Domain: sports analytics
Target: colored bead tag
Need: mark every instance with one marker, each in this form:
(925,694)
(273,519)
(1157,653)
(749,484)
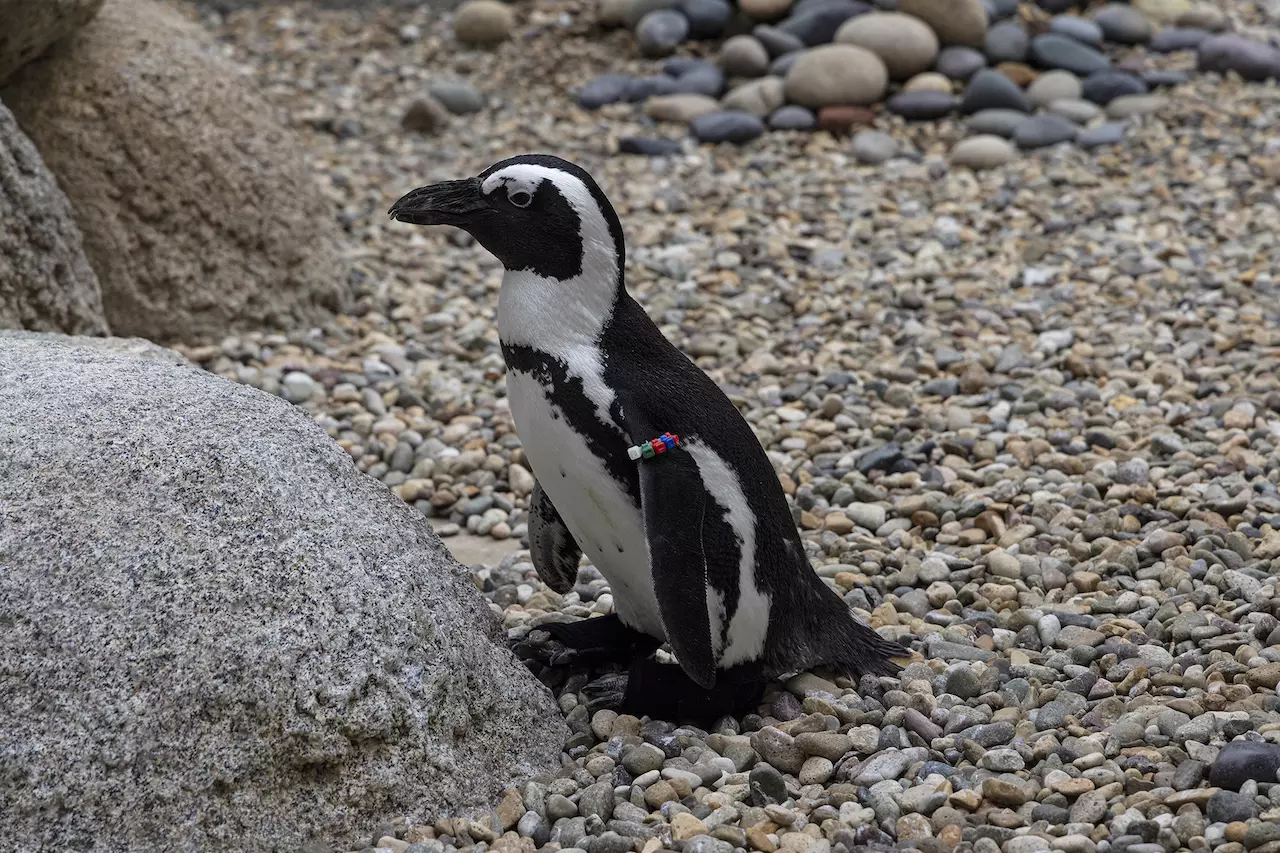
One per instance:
(652,448)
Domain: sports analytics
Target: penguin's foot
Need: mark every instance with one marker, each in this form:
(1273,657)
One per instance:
(585,643)
(663,691)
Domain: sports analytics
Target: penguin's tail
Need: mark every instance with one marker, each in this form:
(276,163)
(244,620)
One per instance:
(862,651)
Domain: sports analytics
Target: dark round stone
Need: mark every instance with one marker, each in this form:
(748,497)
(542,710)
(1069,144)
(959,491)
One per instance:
(728,126)
(1229,807)
(678,65)
(1045,130)
(816,23)
(707,18)
(991,90)
(1081,29)
(605,89)
(776,41)
(1007,42)
(922,105)
(1054,50)
(1123,24)
(959,63)
(1243,760)
(705,79)
(1177,38)
(1103,87)
(1252,60)
(997,122)
(793,117)
(766,786)
(644,88)
(780,66)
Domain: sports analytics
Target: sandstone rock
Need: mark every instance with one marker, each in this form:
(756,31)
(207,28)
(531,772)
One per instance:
(483,22)
(906,44)
(46,282)
(758,97)
(837,74)
(961,22)
(219,633)
(30,26)
(198,211)
(681,108)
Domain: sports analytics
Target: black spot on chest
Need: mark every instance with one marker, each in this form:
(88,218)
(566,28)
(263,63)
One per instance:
(569,400)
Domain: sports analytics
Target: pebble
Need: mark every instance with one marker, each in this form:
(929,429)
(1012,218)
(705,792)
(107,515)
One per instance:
(905,44)
(873,147)
(483,22)
(1252,60)
(1007,42)
(744,56)
(728,126)
(457,97)
(707,18)
(959,62)
(983,151)
(661,31)
(792,117)
(1054,50)
(1123,24)
(1054,86)
(962,22)
(921,105)
(997,122)
(1103,87)
(836,74)
(1082,30)
(991,90)
(1108,133)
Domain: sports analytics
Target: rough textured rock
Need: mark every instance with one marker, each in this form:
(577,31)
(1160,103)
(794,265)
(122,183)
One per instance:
(198,212)
(46,282)
(30,26)
(218,634)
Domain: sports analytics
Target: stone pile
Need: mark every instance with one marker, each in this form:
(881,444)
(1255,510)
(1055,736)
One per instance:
(1020,75)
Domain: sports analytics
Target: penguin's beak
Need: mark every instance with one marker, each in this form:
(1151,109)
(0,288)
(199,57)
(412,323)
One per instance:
(455,203)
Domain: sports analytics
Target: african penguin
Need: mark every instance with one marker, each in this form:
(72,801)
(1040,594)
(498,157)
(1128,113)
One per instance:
(697,543)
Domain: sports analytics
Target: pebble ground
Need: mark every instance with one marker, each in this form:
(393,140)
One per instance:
(1029,420)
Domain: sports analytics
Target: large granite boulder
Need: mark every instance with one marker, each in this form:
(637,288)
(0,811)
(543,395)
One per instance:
(46,282)
(217,634)
(30,26)
(200,215)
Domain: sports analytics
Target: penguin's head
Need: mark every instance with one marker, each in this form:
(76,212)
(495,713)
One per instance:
(536,213)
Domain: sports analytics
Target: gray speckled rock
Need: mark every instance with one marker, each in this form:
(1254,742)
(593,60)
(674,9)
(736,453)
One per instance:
(249,642)
(31,26)
(46,282)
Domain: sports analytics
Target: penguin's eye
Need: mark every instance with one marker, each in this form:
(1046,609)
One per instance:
(520,198)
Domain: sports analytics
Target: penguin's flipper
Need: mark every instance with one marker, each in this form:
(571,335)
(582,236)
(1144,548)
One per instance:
(672,498)
(555,552)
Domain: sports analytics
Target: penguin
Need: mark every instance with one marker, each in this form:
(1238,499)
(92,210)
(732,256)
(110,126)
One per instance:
(695,537)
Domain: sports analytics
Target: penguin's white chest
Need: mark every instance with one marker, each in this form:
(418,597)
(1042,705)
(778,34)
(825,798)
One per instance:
(595,507)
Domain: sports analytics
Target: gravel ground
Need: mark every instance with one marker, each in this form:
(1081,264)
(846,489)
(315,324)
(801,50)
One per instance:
(1029,420)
